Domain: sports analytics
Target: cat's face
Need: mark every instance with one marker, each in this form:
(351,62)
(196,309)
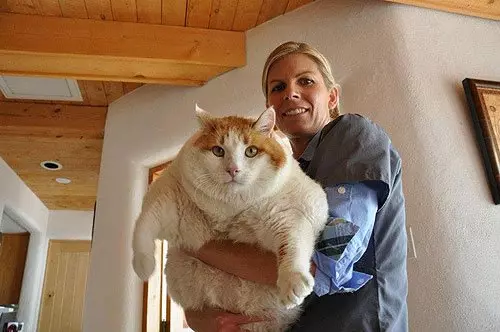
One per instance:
(237,154)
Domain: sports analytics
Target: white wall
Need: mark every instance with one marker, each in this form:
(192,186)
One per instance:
(70,225)
(384,65)
(455,282)
(20,202)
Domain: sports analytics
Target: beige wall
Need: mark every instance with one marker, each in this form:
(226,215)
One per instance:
(70,225)
(455,282)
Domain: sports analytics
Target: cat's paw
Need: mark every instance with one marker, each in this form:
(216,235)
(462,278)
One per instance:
(293,287)
(144,265)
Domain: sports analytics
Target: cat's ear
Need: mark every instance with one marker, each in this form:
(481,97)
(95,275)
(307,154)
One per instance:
(265,122)
(203,116)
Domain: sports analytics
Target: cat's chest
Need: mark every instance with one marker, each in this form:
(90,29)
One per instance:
(242,227)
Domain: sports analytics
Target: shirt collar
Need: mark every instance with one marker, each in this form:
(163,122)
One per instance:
(308,153)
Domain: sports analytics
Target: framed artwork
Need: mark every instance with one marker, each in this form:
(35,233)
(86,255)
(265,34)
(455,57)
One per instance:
(483,98)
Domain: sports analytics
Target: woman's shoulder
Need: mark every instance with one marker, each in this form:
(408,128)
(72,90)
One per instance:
(355,126)
(358,120)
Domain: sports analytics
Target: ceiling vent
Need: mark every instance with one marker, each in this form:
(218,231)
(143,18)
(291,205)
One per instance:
(40,88)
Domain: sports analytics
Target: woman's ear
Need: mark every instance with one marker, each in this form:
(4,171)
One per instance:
(334,98)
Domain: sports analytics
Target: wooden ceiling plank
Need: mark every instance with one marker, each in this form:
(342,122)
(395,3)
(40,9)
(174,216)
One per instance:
(31,164)
(223,14)
(246,15)
(271,9)
(83,92)
(48,7)
(20,6)
(95,93)
(69,203)
(84,185)
(42,101)
(86,181)
(198,13)
(51,120)
(116,51)
(294,4)
(130,86)
(46,148)
(99,10)
(124,10)
(481,8)
(73,8)
(174,12)
(113,91)
(149,11)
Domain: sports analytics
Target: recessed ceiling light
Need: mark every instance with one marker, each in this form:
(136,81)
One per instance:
(63,180)
(51,165)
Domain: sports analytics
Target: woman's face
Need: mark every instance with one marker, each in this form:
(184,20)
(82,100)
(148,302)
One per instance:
(297,92)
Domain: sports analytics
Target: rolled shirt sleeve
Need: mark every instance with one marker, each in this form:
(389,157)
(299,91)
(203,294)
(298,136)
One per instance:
(345,238)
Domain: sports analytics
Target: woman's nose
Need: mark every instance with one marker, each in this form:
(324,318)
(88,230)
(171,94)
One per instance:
(291,93)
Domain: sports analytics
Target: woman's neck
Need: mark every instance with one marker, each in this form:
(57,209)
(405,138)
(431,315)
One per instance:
(299,144)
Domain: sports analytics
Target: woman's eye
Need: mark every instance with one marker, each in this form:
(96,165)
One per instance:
(306,81)
(251,151)
(278,87)
(218,151)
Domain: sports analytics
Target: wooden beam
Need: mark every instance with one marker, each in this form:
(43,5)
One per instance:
(481,8)
(116,51)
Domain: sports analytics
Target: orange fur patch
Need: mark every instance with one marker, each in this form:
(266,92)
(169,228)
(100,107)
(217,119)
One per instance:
(216,130)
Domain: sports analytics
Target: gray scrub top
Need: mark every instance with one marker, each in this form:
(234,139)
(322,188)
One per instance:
(352,149)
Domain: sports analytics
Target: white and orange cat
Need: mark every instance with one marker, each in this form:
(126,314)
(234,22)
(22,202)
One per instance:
(234,179)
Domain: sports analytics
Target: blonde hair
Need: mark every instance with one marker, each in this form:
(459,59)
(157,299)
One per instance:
(292,47)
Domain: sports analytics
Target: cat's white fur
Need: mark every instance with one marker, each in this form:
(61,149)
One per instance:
(193,203)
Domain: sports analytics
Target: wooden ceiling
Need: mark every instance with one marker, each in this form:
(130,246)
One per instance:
(489,9)
(71,133)
(112,47)
(213,14)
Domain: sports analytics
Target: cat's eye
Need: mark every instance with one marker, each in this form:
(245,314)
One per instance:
(251,151)
(218,151)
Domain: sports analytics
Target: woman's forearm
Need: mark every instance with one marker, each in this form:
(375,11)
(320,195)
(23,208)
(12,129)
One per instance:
(243,260)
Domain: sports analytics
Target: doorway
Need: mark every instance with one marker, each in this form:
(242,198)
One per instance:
(64,286)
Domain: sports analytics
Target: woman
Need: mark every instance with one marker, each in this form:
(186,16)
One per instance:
(360,260)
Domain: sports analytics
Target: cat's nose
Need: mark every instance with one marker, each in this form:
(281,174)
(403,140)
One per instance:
(232,170)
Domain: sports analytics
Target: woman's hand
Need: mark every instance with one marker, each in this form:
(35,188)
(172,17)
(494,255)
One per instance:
(212,320)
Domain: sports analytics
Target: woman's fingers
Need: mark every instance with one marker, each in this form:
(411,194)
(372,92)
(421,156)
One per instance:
(230,318)
(212,320)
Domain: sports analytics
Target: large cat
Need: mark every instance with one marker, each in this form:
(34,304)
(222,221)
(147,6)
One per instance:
(234,179)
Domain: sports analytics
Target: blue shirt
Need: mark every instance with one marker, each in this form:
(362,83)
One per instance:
(352,209)
(365,244)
